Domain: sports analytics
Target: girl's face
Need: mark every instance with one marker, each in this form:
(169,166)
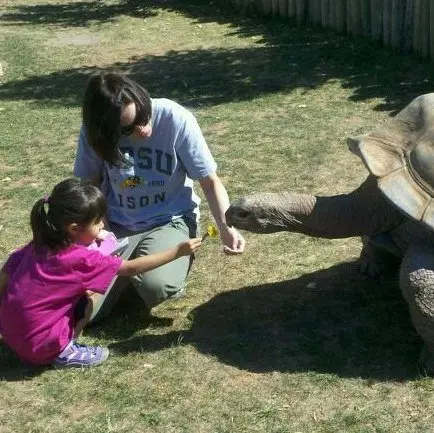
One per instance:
(87,234)
(131,126)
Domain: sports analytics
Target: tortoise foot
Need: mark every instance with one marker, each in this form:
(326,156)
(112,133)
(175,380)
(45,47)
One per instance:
(426,362)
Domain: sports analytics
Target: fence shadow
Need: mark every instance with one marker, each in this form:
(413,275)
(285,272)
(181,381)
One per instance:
(74,14)
(286,58)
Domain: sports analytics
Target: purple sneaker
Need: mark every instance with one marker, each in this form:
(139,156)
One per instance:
(80,355)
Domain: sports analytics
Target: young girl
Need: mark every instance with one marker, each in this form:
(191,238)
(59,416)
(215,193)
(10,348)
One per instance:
(44,303)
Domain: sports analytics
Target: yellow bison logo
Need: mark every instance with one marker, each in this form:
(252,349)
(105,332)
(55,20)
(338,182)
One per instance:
(132,182)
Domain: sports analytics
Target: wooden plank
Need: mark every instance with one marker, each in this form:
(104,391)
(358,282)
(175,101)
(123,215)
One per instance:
(266,6)
(416,26)
(341,14)
(365,10)
(292,8)
(387,12)
(424,30)
(397,24)
(282,8)
(325,13)
(376,20)
(315,11)
(348,17)
(431,31)
(407,36)
(356,17)
(301,12)
(332,14)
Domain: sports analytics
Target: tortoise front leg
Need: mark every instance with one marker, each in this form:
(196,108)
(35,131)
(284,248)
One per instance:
(417,285)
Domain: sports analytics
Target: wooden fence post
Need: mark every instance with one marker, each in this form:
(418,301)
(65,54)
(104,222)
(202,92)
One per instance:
(431,31)
(291,8)
(341,14)
(314,11)
(377,20)
(416,26)
(301,12)
(407,32)
(283,7)
(405,25)
(424,27)
(366,17)
(397,22)
(387,12)
(266,6)
(355,17)
(325,5)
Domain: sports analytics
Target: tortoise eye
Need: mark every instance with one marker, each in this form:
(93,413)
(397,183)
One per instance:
(243,214)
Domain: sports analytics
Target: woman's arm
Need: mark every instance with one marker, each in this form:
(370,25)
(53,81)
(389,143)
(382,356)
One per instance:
(218,202)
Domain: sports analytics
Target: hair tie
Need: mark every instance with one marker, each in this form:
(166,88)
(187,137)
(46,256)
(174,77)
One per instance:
(46,199)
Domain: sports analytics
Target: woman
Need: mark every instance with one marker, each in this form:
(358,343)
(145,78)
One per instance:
(145,154)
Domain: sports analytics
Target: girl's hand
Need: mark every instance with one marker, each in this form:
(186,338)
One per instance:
(102,235)
(189,247)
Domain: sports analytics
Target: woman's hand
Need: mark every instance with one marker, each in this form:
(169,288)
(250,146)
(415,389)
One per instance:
(233,242)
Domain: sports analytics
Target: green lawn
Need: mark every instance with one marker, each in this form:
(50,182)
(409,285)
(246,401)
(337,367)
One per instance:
(287,337)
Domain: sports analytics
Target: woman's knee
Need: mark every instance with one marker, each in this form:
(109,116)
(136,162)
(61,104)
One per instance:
(154,289)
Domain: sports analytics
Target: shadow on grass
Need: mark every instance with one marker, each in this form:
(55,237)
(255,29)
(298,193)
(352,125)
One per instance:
(74,14)
(288,58)
(128,316)
(347,325)
(12,369)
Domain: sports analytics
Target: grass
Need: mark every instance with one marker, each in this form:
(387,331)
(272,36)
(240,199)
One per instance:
(287,337)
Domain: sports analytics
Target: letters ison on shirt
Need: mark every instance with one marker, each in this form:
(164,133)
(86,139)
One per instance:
(146,160)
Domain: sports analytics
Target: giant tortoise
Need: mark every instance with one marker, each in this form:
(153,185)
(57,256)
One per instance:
(393,210)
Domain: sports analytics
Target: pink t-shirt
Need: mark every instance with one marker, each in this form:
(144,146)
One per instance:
(37,307)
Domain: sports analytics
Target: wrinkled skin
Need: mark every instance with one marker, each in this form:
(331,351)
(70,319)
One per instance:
(389,239)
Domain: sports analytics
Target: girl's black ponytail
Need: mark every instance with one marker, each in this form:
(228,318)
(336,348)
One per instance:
(45,233)
(72,201)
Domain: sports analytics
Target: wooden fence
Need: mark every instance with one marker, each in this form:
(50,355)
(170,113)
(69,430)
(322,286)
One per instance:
(405,25)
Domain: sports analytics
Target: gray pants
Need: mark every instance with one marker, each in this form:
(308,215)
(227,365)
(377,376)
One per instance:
(154,287)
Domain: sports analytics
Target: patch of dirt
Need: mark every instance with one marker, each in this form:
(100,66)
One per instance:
(355,120)
(66,39)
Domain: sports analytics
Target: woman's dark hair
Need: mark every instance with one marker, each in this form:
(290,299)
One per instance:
(71,201)
(104,97)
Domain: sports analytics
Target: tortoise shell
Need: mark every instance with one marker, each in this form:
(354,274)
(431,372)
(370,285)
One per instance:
(400,154)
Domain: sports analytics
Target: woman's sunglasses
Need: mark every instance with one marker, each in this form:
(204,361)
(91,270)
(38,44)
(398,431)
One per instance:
(140,119)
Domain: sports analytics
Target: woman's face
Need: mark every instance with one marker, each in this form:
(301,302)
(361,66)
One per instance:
(128,122)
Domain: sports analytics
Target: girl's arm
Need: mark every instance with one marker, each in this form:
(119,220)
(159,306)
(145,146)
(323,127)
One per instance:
(147,263)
